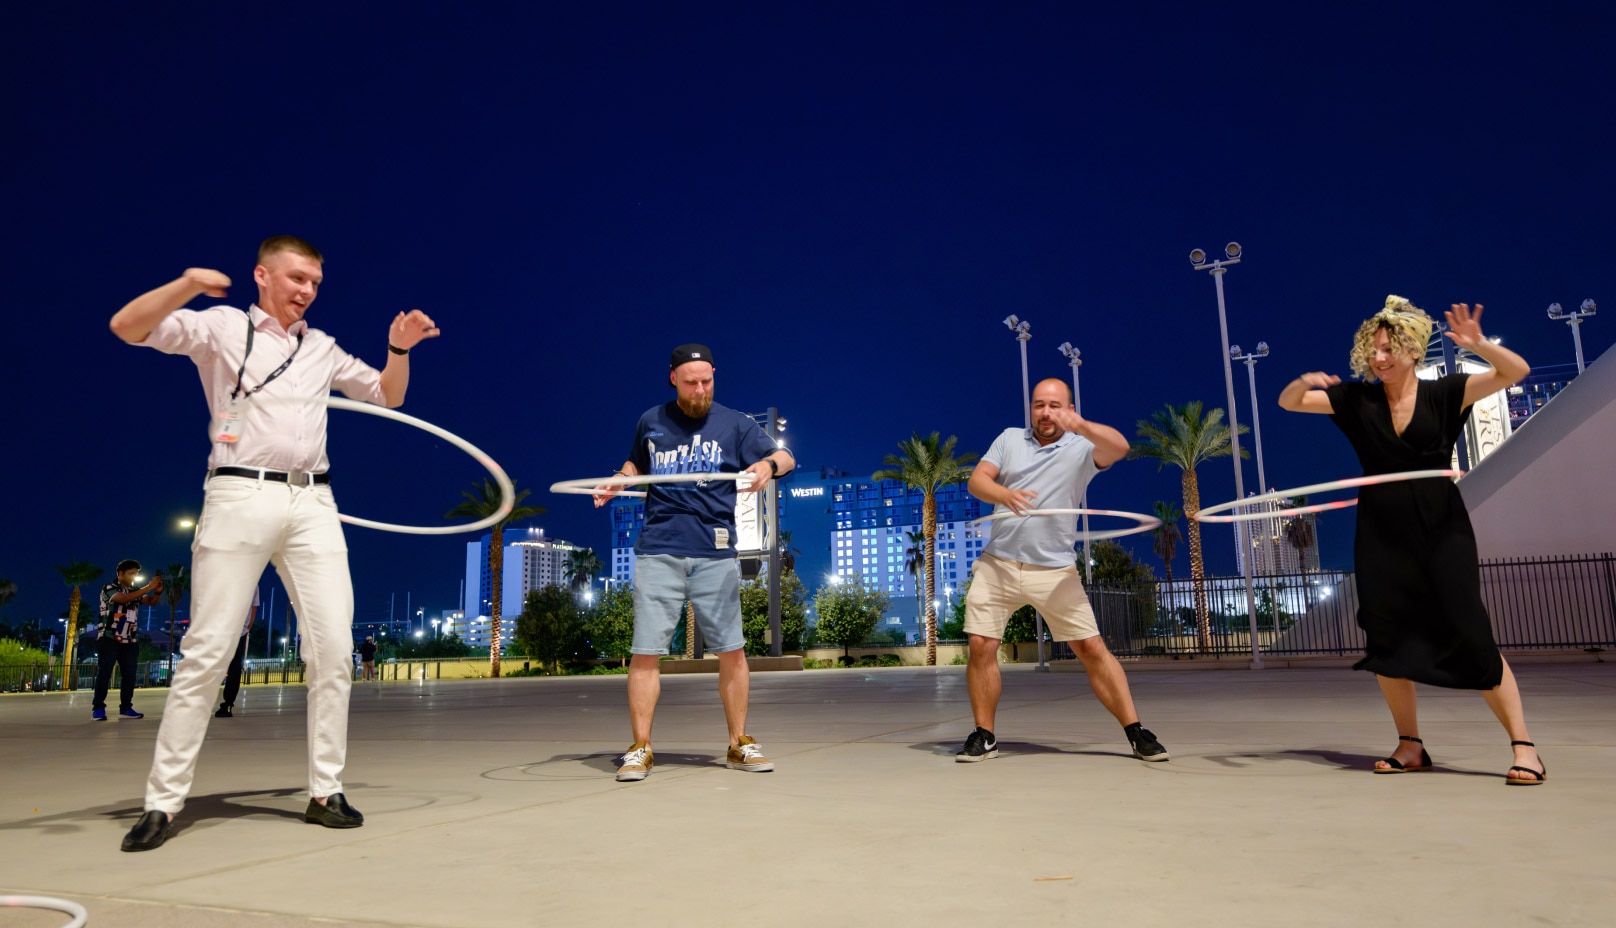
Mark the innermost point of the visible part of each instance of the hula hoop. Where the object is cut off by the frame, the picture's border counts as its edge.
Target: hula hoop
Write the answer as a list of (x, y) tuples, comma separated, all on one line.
[(1214, 513), (1146, 523), (585, 486), (506, 489), (65, 906)]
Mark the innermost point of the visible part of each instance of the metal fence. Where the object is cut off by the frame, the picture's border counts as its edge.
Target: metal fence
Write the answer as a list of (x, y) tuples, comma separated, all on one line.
[(1536, 603), (39, 678)]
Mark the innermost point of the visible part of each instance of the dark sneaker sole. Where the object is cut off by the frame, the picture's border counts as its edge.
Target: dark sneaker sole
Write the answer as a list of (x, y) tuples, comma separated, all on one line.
[(975, 758), (327, 824)]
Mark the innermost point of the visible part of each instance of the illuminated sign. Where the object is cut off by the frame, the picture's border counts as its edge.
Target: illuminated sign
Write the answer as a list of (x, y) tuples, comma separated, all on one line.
[(797, 492)]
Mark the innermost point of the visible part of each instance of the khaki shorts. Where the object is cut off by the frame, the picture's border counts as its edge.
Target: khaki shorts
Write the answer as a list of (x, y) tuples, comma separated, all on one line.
[(1000, 587)]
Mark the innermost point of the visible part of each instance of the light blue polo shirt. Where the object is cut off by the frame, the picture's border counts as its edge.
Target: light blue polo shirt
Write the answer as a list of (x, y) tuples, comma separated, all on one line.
[(1059, 473)]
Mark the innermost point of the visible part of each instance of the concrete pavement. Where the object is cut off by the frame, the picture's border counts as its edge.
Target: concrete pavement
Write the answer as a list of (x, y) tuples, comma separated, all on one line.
[(492, 803)]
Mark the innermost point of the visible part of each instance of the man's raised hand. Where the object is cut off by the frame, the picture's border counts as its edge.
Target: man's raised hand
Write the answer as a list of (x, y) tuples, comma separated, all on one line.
[(207, 280), (410, 329)]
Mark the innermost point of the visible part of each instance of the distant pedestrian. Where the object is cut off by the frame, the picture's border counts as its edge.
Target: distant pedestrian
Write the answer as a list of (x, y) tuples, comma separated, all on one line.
[(367, 659), (115, 644), (232, 677)]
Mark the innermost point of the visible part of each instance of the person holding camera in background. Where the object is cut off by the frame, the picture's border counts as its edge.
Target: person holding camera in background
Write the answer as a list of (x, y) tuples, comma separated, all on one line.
[(115, 643)]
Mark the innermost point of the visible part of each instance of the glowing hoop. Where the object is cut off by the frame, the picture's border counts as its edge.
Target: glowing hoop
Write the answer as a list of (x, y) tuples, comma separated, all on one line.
[(507, 491), (1146, 523), (1214, 513), (585, 486), (65, 906)]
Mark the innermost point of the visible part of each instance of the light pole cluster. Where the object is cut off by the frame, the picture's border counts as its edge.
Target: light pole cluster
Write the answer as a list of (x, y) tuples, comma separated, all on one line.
[(1074, 360), (1198, 260), (1023, 332), (1575, 321)]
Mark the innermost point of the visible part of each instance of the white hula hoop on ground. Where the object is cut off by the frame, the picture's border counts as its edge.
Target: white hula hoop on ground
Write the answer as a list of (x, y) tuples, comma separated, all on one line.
[(585, 486), (65, 906), (1215, 513), (1146, 523), (506, 489)]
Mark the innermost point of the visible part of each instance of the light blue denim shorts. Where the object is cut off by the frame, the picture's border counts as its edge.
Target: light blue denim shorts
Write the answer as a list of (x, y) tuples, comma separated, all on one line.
[(662, 583)]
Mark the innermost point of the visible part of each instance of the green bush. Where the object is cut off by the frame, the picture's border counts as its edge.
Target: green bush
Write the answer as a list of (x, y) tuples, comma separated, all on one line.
[(814, 663), (959, 659), (879, 660)]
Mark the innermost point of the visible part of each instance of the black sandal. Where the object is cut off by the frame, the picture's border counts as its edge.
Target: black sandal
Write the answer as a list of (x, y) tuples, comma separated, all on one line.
[(1537, 775), (1393, 765)]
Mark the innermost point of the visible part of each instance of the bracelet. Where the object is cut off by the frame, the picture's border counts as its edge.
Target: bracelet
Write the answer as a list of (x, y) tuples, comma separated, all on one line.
[(395, 350), (773, 467)]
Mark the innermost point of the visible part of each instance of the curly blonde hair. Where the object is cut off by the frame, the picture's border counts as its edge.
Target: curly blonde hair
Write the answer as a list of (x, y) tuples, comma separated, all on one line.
[(1406, 325)]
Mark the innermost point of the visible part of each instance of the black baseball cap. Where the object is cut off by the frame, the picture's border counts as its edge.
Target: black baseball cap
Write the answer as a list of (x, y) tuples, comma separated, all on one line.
[(692, 352), (128, 564)]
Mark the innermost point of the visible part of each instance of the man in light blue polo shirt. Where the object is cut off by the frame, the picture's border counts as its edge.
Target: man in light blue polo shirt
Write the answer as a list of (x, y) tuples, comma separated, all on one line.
[(1033, 561)]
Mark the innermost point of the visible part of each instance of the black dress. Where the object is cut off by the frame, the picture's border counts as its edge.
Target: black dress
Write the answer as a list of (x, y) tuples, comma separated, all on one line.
[(1419, 582)]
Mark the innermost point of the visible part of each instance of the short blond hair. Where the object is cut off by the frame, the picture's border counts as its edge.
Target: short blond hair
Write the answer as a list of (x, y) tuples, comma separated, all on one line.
[(1407, 326), (276, 244)]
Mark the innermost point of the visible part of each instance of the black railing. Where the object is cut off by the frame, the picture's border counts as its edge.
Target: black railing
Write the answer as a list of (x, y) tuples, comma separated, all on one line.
[(1538, 603)]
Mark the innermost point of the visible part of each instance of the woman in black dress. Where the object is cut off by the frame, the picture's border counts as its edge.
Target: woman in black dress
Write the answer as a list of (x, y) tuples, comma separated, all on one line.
[(1419, 582)]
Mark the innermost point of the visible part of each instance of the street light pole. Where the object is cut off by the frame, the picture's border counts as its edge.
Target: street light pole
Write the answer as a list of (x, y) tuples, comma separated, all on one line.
[(776, 425), (1271, 526), (1256, 420), (1023, 330), (1588, 308), (1218, 269), (1074, 360)]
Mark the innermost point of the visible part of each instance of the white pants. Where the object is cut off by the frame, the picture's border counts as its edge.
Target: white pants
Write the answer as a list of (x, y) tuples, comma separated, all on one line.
[(245, 525)]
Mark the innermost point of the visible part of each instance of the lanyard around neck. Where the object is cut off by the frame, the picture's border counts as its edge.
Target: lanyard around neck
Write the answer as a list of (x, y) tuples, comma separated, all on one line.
[(272, 375)]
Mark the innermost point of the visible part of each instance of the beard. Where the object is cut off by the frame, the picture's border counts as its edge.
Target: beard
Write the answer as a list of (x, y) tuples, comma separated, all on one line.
[(697, 407), (1046, 429)]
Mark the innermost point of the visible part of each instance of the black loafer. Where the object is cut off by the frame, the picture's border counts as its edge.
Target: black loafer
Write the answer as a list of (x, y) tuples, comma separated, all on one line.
[(224, 713), (149, 833), (336, 813)]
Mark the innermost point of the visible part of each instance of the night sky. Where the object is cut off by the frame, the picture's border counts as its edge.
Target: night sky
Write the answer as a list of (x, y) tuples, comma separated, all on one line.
[(842, 200)]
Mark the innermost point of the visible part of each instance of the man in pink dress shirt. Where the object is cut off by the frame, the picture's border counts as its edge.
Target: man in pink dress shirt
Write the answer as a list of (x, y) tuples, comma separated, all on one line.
[(268, 499)]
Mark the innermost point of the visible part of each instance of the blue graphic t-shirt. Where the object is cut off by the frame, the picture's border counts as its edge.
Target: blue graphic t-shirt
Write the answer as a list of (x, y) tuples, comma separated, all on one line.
[(694, 519)]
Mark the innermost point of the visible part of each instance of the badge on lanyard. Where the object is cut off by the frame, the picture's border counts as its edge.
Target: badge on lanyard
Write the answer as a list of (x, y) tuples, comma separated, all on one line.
[(229, 424)]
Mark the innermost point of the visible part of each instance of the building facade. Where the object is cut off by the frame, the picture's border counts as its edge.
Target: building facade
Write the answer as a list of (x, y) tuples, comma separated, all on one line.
[(532, 561), (1268, 543)]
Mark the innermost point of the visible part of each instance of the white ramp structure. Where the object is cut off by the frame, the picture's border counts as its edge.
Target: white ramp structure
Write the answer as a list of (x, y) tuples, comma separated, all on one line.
[(1551, 488)]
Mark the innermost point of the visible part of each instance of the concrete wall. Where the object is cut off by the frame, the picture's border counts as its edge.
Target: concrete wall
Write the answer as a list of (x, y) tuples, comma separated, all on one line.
[(1548, 489)]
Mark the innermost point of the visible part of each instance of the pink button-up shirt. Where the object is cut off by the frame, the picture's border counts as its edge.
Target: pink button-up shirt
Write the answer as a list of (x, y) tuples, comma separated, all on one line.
[(283, 425)]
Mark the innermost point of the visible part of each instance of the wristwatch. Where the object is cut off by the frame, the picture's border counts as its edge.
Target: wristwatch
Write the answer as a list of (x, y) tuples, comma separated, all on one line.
[(774, 468)]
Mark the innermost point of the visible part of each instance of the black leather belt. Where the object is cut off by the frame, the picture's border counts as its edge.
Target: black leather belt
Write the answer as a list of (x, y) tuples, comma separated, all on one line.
[(273, 476)]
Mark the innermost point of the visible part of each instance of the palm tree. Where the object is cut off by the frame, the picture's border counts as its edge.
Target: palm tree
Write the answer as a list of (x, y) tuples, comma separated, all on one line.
[(176, 583), (481, 501), (927, 464), (583, 566), (914, 563), (1300, 534), (1166, 534), (1181, 436), (8, 592), (75, 574)]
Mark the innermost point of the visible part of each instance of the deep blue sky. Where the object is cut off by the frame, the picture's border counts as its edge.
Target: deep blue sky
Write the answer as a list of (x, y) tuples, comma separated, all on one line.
[(843, 201)]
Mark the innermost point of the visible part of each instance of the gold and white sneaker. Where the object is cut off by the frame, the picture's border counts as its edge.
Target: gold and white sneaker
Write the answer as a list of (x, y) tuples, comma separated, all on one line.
[(636, 763), (748, 756)]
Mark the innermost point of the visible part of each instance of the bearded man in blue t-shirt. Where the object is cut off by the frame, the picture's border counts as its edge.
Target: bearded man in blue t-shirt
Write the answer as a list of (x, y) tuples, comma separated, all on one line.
[(686, 549)]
